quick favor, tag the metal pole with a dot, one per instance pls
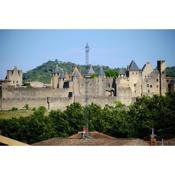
(86, 84)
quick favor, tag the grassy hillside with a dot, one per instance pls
(43, 73)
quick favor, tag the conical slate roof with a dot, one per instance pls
(133, 66)
(76, 73)
(57, 69)
(101, 72)
(91, 70)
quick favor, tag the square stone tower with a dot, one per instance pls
(161, 67)
(134, 76)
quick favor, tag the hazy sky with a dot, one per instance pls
(27, 49)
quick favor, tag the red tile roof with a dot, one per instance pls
(95, 139)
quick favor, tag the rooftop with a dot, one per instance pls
(11, 142)
(95, 139)
(76, 73)
(133, 66)
(91, 70)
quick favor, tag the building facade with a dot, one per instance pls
(65, 89)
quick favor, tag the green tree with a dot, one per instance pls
(166, 116)
(75, 116)
(40, 128)
(140, 118)
(111, 73)
(152, 112)
(94, 75)
(29, 129)
(119, 121)
(93, 114)
(60, 123)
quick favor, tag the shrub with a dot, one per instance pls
(26, 106)
(94, 75)
(41, 110)
(14, 109)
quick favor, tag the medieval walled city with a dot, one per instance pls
(65, 88)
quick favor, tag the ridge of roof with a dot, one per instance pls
(133, 66)
(76, 72)
(91, 70)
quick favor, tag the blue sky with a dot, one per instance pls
(27, 49)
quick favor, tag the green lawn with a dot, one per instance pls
(18, 113)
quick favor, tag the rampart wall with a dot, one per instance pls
(39, 97)
(23, 92)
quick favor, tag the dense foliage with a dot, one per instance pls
(119, 121)
(111, 73)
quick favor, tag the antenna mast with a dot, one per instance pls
(86, 84)
(87, 54)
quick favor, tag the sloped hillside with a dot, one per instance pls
(43, 72)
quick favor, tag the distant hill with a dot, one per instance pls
(44, 72)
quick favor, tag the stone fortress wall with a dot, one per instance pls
(65, 89)
(35, 97)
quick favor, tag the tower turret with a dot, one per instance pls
(91, 71)
(54, 81)
(161, 67)
(57, 79)
(61, 79)
(134, 77)
(15, 77)
(101, 72)
(76, 73)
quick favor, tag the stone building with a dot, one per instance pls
(14, 76)
(65, 89)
